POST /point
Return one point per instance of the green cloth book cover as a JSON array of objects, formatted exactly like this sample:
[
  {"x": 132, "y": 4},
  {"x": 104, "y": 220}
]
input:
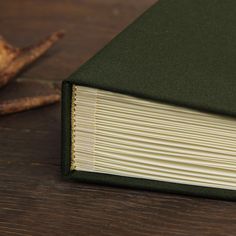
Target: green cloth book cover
[{"x": 155, "y": 108}]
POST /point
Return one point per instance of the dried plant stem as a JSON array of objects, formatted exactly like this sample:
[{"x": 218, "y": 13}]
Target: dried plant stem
[
  {"x": 26, "y": 56},
  {"x": 7, "y": 53},
  {"x": 27, "y": 103}
]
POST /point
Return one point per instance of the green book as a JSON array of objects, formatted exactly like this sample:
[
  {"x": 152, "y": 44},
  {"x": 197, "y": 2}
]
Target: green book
[{"x": 155, "y": 109}]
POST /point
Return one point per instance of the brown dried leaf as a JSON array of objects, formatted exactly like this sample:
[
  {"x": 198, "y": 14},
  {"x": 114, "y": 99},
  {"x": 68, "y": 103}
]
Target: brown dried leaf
[{"x": 13, "y": 60}]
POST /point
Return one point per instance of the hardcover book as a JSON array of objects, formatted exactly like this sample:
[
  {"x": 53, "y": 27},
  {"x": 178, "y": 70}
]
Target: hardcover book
[{"x": 156, "y": 108}]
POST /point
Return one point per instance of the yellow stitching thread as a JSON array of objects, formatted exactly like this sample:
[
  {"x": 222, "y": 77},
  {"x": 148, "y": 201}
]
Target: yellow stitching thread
[{"x": 72, "y": 164}]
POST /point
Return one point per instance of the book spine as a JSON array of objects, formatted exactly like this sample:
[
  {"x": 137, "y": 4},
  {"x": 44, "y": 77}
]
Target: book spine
[{"x": 66, "y": 128}]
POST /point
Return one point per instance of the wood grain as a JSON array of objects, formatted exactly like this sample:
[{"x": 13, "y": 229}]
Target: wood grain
[
  {"x": 89, "y": 25},
  {"x": 34, "y": 199}
]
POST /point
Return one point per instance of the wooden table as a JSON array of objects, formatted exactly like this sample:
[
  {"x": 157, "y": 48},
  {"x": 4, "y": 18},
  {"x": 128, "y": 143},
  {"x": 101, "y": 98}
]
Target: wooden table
[{"x": 34, "y": 200}]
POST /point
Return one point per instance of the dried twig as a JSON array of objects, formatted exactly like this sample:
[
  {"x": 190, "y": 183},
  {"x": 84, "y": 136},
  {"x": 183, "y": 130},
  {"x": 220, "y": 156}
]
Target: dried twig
[
  {"x": 7, "y": 53},
  {"x": 13, "y": 60},
  {"x": 27, "y": 103}
]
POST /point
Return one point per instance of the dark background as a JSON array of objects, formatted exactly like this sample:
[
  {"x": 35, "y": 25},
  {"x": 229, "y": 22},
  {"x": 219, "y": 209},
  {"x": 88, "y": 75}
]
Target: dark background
[{"x": 34, "y": 200}]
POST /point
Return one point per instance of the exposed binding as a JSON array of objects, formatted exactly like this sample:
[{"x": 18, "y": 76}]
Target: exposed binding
[
  {"x": 84, "y": 128},
  {"x": 73, "y": 126}
]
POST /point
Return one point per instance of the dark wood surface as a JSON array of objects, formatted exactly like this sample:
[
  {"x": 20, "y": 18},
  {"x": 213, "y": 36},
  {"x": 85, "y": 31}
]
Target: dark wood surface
[{"x": 34, "y": 200}]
